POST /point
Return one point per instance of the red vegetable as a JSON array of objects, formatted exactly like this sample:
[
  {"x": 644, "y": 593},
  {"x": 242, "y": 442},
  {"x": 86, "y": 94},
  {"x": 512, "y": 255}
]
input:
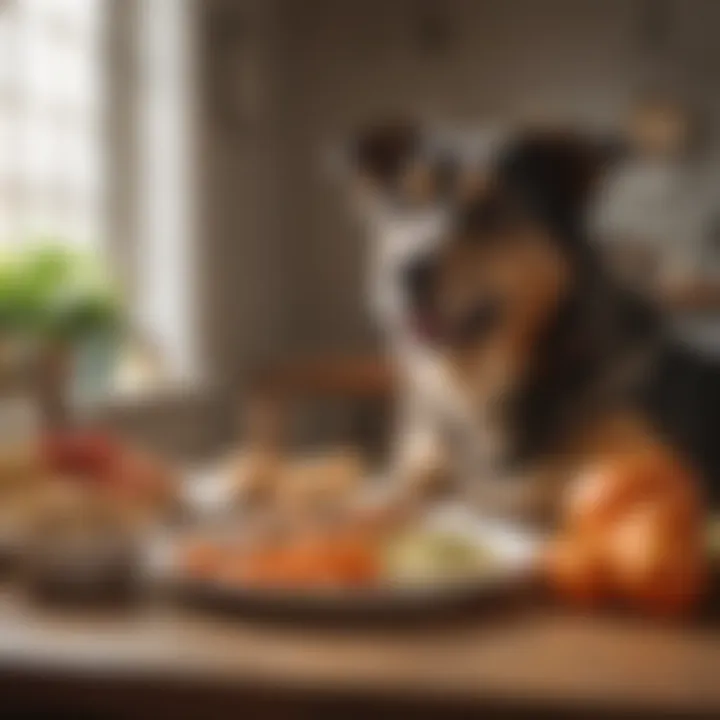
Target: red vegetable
[{"x": 84, "y": 453}]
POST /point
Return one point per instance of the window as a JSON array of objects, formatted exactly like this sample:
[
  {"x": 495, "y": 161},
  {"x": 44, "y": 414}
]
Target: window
[
  {"x": 62, "y": 159},
  {"x": 51, "y": 120}
]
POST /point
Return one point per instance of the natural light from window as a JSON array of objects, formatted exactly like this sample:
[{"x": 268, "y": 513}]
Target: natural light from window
[
  {"x": 51, "y": 121},
  {"x": 59, "y": 169}
]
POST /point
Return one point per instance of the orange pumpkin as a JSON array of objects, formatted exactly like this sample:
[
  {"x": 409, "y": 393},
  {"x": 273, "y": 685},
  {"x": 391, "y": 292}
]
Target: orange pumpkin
[
  {"x": 604, "y": 491},
  {"x": 657, "y": 565},
  {"x": 633, "y": 532},
  {"x": 575, "y": 571}
]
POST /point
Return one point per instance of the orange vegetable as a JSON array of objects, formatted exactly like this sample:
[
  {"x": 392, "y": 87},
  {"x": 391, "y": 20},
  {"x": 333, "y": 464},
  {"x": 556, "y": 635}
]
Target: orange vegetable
[
  {"x": 354, "y": 560},
  {"x": 312, "y": 560},
  {"x": 604, "y": 491},
  {"x": 658, "y": 567},
  {"x": 575, "y": 570},
  {"x": 201, "y": 559},
  {"x": 633, "y": 532}
]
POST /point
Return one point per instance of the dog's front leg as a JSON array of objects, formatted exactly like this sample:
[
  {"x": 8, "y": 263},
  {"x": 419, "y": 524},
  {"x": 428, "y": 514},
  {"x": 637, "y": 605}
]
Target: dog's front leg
[{"x": 420, "y": 464}]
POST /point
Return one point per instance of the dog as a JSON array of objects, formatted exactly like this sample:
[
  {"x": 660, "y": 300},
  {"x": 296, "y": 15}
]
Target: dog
[
  {"x": 524, "y": 356},
  {"x": 560, "y": 360},
  {"x": 405, "y": 185}
]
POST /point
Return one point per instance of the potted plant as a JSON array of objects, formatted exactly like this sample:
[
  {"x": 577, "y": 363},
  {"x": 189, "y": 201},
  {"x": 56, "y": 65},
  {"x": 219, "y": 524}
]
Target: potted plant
[{"x": 59, "y": 307}]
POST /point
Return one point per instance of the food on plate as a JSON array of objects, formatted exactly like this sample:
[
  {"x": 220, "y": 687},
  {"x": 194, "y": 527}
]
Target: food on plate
[
  {"x": 256, "y": 469},
  {"x": 105, "y": 464},
  {"x": 340, "y": 555},
  {"x": 21, "y": 478},
  {"x": 261, "y": 476},
  {"x": 203, "y": 559},
  {"x": 140, "y": 481},
  {"x": 319, "y": 481},
  {"x": 88, "y": 453},
  {"x": 264, "y": 473},
  {"x": 20, "y": 465},
  {"x": 315, "y": 559},
  {"x": 80, "y": 525},
  {"x": 78, "y": 476},
  {"x": 77, "y": 544},
  {"x": 422, "y": 555},
  {"x": 65, "y": 510},
  {"x": 254, "y": 475},
  {"x": 633, "y": 534}
]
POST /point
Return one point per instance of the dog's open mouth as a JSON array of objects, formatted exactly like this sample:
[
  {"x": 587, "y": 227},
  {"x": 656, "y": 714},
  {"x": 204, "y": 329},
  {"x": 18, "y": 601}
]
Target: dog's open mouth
[
  {"x": 475, "y": 325},
  {"x": 427, "y": 327}
]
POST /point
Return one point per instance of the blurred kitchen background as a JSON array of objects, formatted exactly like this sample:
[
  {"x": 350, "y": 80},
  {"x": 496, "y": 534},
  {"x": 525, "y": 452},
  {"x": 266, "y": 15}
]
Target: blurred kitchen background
[{"x": 164, "y": 164}]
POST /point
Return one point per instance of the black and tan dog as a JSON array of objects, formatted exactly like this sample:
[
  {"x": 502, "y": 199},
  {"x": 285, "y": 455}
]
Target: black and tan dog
[
  {"x": 530, "y": 360},
  {"x": 548, "y": 359},
  {"x": 562, "y": 361}
]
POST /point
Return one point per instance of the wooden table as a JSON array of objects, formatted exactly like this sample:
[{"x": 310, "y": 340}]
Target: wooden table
[{"x": 168, "y": 662}]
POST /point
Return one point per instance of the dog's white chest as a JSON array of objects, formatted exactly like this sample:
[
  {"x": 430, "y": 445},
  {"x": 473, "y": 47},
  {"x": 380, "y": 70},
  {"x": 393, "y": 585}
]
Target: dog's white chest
[{"x": 396, "y": 241}]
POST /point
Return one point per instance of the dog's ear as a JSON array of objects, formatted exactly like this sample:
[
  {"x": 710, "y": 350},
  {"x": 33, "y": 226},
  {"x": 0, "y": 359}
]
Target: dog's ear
[
  {"x": 398, "y": 159},
  {"x": 381, "y": 152},
  {"x": 553, "y": 175}
]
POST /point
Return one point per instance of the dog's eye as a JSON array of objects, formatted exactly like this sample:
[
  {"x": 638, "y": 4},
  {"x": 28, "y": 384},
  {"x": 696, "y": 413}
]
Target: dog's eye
[{"x": 478, "y": 322}]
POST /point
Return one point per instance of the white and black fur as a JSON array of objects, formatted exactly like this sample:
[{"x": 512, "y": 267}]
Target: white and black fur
[
  {"x": 630, "y": 356},
  {"x": 436, "y": 428}
]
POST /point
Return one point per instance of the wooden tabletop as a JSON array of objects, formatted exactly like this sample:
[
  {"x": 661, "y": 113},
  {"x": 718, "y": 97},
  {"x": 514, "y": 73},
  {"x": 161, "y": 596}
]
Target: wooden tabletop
[{"x": 539, "y": 659}]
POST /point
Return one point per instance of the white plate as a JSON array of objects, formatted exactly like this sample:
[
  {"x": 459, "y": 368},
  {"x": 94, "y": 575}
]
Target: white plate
[{"x": 513, "y": 549}]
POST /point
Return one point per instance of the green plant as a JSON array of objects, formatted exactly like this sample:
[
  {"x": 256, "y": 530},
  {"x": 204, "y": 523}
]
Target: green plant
[{"x": 51, "y": 292}]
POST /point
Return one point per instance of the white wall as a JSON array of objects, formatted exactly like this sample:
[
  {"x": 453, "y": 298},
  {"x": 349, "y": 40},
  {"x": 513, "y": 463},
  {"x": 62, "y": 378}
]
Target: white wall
[
  {"x": 354, "y": 61},
  {"x": 241, "y": 223},
  {"x": 284, "y": 252}
]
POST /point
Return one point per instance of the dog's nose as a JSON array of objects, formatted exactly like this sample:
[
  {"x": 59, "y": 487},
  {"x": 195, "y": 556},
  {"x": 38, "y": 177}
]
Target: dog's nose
[{"x": 419, "y": 280}]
